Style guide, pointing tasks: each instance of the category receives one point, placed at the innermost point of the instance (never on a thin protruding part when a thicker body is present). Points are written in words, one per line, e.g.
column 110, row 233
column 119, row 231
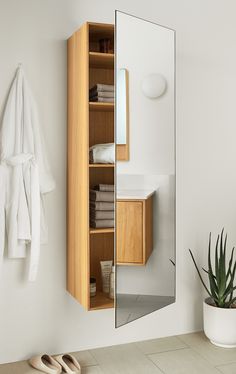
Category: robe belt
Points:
column 19, row 159
column 28, row 161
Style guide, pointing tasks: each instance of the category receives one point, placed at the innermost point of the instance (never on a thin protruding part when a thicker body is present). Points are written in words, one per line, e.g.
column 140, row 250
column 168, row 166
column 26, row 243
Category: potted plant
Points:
column 219, row 309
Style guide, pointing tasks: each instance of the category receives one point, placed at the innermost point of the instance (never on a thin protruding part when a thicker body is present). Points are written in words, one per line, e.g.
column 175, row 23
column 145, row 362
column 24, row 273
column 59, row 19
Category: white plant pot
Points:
column 219, row 325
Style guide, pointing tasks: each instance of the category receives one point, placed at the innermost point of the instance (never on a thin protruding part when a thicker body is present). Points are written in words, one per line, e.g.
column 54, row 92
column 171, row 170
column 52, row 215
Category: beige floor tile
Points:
column 215, row 355
column 182, row 361
column 194, row 339
column 185, row 354
column 227, row 369
column 92, row 370
column 17, row 368
column 160, row 345
column 124, row 359
column 85, row 358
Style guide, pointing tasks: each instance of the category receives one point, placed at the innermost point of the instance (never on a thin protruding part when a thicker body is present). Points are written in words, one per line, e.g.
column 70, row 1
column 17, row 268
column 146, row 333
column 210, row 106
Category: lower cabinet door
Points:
column 129, row 226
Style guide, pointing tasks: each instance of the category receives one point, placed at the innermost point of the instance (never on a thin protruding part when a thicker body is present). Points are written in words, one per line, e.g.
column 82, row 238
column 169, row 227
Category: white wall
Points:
column 149, row 49
column 42, row 317
column 144, row 48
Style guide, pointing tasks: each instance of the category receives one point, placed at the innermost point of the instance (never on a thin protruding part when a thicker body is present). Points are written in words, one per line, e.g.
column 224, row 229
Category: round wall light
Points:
column 154, row 86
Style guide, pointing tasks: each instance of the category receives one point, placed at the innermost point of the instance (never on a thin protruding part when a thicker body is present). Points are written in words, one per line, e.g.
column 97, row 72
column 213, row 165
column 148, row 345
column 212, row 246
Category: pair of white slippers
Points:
column 56, row 364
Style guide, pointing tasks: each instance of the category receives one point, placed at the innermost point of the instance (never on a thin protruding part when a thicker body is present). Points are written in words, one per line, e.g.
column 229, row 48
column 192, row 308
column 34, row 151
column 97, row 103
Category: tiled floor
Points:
column 184, row 354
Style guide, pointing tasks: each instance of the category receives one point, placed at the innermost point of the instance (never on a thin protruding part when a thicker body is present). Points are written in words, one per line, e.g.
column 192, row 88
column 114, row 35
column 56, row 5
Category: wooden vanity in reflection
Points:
column 134, row 227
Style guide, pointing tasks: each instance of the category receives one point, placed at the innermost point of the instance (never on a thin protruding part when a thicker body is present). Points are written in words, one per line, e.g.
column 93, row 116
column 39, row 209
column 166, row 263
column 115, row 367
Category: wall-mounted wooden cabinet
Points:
column 89, row 123
column 134, row 239
column 103, row 76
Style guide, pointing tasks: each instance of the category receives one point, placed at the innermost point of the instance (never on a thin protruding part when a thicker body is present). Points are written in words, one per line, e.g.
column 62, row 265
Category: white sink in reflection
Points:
column 134, row 194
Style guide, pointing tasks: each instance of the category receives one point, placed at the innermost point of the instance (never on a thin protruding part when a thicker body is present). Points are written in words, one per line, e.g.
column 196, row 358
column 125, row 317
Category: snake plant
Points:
column 221, row 279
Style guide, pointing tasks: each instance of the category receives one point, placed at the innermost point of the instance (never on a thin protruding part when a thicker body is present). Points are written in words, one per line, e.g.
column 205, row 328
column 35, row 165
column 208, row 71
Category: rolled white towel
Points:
column 102, row 153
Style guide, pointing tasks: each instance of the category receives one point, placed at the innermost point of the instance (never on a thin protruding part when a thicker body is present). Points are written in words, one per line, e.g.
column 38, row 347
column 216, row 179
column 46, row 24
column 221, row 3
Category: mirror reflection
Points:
column 145, row 196
column 121, row 112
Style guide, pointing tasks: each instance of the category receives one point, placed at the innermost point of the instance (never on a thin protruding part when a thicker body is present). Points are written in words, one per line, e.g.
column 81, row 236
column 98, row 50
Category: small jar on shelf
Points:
column 93, row 289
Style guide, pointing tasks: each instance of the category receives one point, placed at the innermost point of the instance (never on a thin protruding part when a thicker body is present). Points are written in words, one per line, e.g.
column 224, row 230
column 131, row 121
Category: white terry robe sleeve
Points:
column 39, row 175
column 46, row 180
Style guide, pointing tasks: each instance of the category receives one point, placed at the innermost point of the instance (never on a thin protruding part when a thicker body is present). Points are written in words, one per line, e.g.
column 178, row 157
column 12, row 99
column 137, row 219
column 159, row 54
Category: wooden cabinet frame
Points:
column 89, row 123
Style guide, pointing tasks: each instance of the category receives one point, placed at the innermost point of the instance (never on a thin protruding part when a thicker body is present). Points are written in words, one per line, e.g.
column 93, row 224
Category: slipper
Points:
column 46, row 364
column 69, row 363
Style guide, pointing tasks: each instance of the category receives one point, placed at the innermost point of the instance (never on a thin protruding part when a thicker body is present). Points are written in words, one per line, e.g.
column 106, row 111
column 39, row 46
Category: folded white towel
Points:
column 102, row 87
column 102, row 94
column 102, row 153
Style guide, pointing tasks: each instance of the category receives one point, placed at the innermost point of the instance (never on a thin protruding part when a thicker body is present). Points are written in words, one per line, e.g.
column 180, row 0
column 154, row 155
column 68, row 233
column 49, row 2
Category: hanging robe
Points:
column 26, row 177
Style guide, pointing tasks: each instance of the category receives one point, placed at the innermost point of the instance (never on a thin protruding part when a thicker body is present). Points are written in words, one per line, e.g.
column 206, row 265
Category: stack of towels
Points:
column 102, row 206
column 102, row 153
column 102, row 93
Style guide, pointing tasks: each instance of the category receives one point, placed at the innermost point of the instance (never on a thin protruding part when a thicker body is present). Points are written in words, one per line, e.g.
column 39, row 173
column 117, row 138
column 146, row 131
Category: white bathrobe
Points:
column 25, row 177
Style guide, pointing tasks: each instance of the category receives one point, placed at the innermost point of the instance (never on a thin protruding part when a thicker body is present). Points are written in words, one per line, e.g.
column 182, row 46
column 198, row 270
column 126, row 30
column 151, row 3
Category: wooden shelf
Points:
column 129, row 264
column 101, row 60
column 101, row 107
column 102, row 231
column 101, row 301
column 101, row 165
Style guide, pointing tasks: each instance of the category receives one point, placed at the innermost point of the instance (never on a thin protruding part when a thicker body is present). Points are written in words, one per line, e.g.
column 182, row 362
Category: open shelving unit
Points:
column 89, row 123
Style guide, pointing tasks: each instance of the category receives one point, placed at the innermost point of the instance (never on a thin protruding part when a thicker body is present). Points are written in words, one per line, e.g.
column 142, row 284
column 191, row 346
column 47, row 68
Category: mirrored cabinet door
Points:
column 145, row 181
